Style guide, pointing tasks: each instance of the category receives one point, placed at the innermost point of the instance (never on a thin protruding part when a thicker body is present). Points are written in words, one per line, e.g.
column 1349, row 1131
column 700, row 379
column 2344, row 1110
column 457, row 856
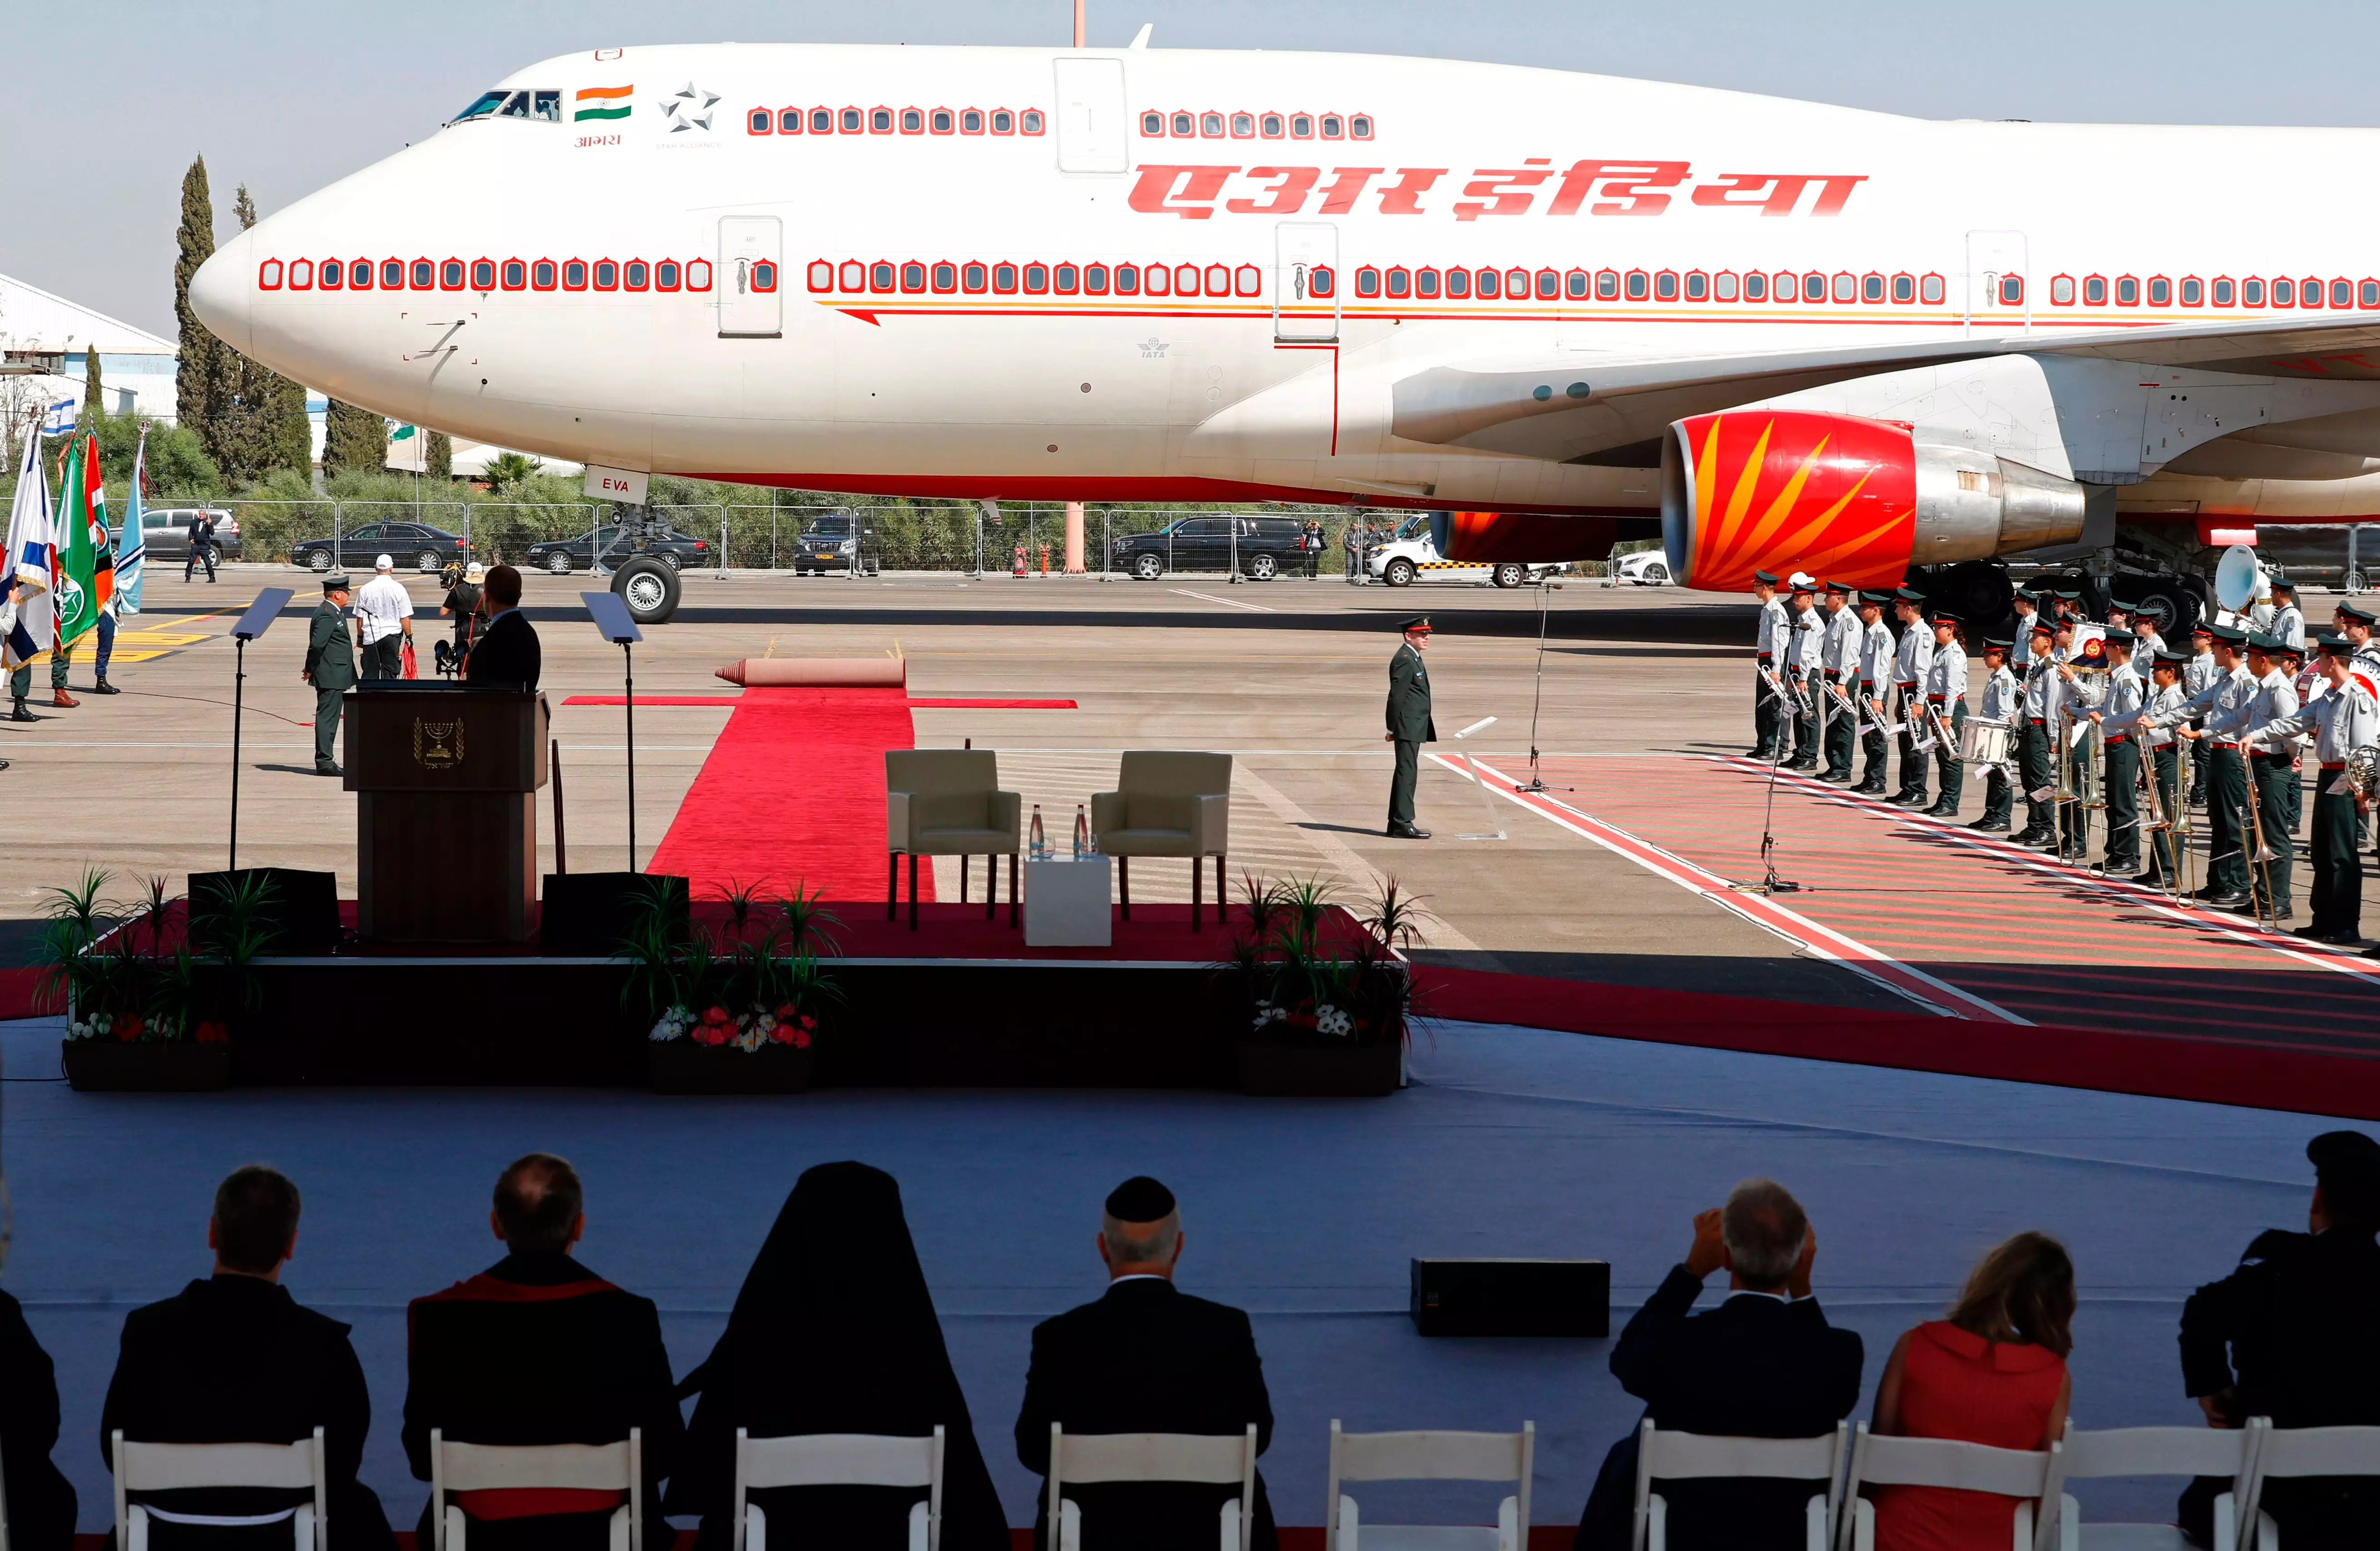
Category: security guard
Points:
column 1838, row 665
column 1409, row 725
column 1875, row 682
column 1768, row 705
column 2293, row 1334
column 2346, row 717
column 1946, row 708
column 331, row 669
column 1999, row 705
column 1910, row 659
column 2226, row 780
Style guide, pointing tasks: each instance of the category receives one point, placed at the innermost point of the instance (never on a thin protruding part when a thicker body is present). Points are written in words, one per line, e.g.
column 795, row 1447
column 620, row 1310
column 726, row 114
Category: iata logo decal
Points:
column 1588, row 187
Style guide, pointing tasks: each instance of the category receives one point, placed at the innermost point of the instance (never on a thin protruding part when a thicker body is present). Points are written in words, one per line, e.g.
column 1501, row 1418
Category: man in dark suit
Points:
column 1145, row 1359
column 2294, row 1334
column 538, row 1348
column 1409, row 726
column 41, row 1501
column 1765, row 1364
column 507, row 655
column 235, row 1359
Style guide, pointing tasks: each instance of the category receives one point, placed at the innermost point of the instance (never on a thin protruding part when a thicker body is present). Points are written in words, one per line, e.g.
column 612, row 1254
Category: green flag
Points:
column 83, row 510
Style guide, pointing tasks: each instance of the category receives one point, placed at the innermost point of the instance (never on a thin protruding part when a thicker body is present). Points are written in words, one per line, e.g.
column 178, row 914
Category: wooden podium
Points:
column 446, row 780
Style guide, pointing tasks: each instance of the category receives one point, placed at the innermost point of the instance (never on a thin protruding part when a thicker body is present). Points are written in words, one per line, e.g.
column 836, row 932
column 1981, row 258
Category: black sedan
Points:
column 562, row 556
column 425, row 549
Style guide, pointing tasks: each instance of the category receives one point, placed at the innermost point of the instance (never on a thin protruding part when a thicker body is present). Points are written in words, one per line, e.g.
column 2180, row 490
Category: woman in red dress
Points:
column 1993, row 1373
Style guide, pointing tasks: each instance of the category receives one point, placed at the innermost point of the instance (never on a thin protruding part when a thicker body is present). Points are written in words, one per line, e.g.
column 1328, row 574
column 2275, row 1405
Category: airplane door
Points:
column 1091, row 135
column 751, row 277
column 1998, row 292
column 1306, row 281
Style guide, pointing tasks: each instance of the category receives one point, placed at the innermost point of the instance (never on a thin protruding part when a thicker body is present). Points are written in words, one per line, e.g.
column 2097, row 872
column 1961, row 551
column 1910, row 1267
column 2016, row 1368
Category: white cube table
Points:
column 1066, row 902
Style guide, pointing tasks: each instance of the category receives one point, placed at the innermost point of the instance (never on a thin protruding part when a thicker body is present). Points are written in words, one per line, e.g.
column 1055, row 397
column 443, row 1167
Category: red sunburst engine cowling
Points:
column 1845, row 499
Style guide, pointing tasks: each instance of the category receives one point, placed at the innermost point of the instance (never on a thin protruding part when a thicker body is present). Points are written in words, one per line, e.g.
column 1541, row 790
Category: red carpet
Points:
column 793, row 793
column 19, row 991
column 914, row 704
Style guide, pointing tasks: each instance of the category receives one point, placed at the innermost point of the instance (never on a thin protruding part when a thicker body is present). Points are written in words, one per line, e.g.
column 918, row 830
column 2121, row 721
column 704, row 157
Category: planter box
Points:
column 1304, row 1072
column 179, row 1066
column 681, row 1066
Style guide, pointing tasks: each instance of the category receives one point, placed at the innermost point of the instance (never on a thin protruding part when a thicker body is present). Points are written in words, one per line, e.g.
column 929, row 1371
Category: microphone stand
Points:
column 1770, row 883
column 1545, row 584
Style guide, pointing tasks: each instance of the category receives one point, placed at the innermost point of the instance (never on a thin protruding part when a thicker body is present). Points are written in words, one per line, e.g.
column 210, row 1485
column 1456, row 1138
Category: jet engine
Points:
column 1845, row 499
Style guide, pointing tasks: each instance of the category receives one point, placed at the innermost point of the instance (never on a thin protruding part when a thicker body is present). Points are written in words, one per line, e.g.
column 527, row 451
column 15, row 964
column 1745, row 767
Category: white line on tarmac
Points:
column 1227, row 602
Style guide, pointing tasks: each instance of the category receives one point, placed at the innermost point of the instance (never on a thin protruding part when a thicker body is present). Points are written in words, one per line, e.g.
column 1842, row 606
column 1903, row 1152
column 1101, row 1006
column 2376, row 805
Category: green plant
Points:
column 1311, row 981
column 72, row 976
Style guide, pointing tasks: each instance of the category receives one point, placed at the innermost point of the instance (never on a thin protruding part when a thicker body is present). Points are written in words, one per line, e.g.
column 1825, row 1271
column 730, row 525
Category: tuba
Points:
column 2362, row 766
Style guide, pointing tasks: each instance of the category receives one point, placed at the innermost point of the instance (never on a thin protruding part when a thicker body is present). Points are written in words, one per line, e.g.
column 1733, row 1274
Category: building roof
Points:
column 34, row 320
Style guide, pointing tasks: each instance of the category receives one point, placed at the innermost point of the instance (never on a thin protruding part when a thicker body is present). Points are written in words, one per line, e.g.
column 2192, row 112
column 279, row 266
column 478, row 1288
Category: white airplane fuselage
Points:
column 1647, row 208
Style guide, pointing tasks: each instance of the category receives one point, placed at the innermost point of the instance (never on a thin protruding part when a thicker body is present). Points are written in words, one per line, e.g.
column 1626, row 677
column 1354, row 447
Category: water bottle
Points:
column 1036, row 846
column 1082, row 833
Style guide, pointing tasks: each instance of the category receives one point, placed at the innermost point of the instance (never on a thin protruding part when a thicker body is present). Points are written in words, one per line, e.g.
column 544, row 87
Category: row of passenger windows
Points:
column 1210, row 124
column 887, row 121
column 2279, row 290
column 1637, row 285
column 490, row 275
column 975, row 277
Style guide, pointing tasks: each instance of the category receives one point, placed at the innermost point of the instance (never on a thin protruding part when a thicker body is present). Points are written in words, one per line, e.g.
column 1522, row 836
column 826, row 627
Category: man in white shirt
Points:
column 1911, row 659
column 384, row 621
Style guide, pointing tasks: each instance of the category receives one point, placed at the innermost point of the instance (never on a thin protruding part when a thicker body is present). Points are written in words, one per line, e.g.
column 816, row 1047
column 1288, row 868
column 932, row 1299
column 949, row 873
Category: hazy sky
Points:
column 108, row 102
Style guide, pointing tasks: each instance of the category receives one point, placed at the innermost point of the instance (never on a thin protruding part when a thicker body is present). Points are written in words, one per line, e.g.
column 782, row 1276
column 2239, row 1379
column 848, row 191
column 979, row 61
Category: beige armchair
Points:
column 1168, row 804
column 947, row 801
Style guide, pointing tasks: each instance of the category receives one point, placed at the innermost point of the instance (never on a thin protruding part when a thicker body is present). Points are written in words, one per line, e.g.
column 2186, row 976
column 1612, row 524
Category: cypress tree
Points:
column 197, row 375
column 94, row 399
column 440, row 452
column 355, row 439
column 266, row 422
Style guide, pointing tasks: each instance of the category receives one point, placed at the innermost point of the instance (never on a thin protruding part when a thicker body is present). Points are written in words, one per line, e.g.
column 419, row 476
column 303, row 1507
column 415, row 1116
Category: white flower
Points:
column 1331, row 1021
column 672, row 1025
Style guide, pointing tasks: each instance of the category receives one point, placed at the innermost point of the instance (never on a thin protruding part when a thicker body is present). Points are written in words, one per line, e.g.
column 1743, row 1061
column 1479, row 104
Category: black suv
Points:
column 562, row 556
column 837, row 541
column 1267, row 547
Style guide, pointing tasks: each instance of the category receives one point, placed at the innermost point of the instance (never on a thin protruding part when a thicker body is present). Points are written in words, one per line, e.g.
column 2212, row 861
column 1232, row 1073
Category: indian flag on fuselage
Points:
column 602, row 102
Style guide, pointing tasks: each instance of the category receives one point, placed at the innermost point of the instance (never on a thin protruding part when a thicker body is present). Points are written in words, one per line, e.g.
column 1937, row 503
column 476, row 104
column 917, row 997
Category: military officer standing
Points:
column 331, row 669
column 2292, row 1335
column 1409, row 726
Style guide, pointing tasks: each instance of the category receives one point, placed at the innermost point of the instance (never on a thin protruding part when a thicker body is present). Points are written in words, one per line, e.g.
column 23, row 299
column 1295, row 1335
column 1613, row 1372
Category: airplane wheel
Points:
column 650, row 588
column 2172, row 603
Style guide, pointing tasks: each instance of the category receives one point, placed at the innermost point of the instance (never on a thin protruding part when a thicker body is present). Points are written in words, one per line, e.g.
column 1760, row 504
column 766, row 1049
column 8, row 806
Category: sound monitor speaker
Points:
column 301, row 908
column 1512, row 1297
column 586, row 915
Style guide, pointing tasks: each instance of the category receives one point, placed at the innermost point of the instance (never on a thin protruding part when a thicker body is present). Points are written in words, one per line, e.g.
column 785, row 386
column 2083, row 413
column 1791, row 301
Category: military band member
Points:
column 2036, row 710
column 331, row 667
column 1409, row 726
column 2123, row 694
column 1946, row 708
column 1802, row 649
column 2227, row 837
column 2355, row 623
column 2289, row 619
column 2028, row 610
column 1999, row 705
column 2197, row 676
column 1910, row 659
column 2075, row 694
column 1875, row 682
column 2346, row 717
column 1838, row 665
column 1768, row 707
column 2162, row 760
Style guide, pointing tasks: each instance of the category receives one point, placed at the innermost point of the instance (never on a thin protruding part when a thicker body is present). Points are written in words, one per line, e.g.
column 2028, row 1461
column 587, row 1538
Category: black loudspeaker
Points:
column 586, row 914
column 1512, row 1297
column 301, row 907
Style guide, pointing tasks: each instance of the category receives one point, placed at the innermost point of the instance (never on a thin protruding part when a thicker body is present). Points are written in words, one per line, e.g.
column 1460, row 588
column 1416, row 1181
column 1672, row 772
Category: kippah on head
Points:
column 1140, row 1199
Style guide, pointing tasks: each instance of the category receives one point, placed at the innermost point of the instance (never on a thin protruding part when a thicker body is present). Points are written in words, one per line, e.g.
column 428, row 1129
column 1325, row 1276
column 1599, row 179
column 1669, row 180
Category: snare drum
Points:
column 1984, row 743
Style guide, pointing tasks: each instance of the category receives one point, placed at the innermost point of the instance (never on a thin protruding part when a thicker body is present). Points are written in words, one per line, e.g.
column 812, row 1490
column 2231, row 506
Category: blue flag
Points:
column 130, row 552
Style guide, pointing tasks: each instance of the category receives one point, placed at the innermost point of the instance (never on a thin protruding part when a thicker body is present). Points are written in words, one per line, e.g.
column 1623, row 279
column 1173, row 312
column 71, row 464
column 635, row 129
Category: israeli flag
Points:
column 59, row 418
column 29, row 620
column 131, row 555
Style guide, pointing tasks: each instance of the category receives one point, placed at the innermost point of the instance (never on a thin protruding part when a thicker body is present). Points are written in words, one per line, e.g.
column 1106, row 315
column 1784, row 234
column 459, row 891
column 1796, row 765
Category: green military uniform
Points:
column 1410, row 727
column 331, row 667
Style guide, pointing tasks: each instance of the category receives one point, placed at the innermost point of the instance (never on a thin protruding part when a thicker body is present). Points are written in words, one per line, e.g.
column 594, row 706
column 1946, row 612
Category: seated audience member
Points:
column 1145, row 1359
column 536, row 1349
column 506, row 654
column 41, row 1501
column 834, row 1332
column 1764, row 1364
column 2294, row 1334
column 235, row 1359
column 1993, row 1373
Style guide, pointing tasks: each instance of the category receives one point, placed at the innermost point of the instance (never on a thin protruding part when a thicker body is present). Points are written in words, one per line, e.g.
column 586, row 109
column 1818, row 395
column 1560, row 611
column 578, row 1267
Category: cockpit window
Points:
column 539, row 105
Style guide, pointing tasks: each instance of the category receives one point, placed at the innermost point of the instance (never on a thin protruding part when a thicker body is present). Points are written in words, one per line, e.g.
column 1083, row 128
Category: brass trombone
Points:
column 2185, row 829
column 2264, row 855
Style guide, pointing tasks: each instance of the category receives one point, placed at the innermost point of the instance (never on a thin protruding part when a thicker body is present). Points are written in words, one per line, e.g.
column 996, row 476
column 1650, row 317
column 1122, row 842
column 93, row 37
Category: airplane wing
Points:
column 1573, row 405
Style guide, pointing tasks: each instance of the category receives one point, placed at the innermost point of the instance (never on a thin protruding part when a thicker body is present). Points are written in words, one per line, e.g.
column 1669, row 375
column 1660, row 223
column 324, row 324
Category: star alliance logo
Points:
column 689, row 108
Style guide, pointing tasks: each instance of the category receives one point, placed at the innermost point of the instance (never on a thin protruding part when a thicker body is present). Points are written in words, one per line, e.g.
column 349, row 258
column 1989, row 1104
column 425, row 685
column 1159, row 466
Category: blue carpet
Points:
column 1513, row 1141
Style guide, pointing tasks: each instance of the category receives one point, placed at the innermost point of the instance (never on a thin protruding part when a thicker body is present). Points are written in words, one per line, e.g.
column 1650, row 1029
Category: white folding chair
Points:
column 2029, row 1475
column 1430, row 1457
column 1695, row 1455
column 2150, row 1451
column 2284, row 1453
column 1206, row 1459
column 584, row 1466
column 173, row 1467
column 838, row 1459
